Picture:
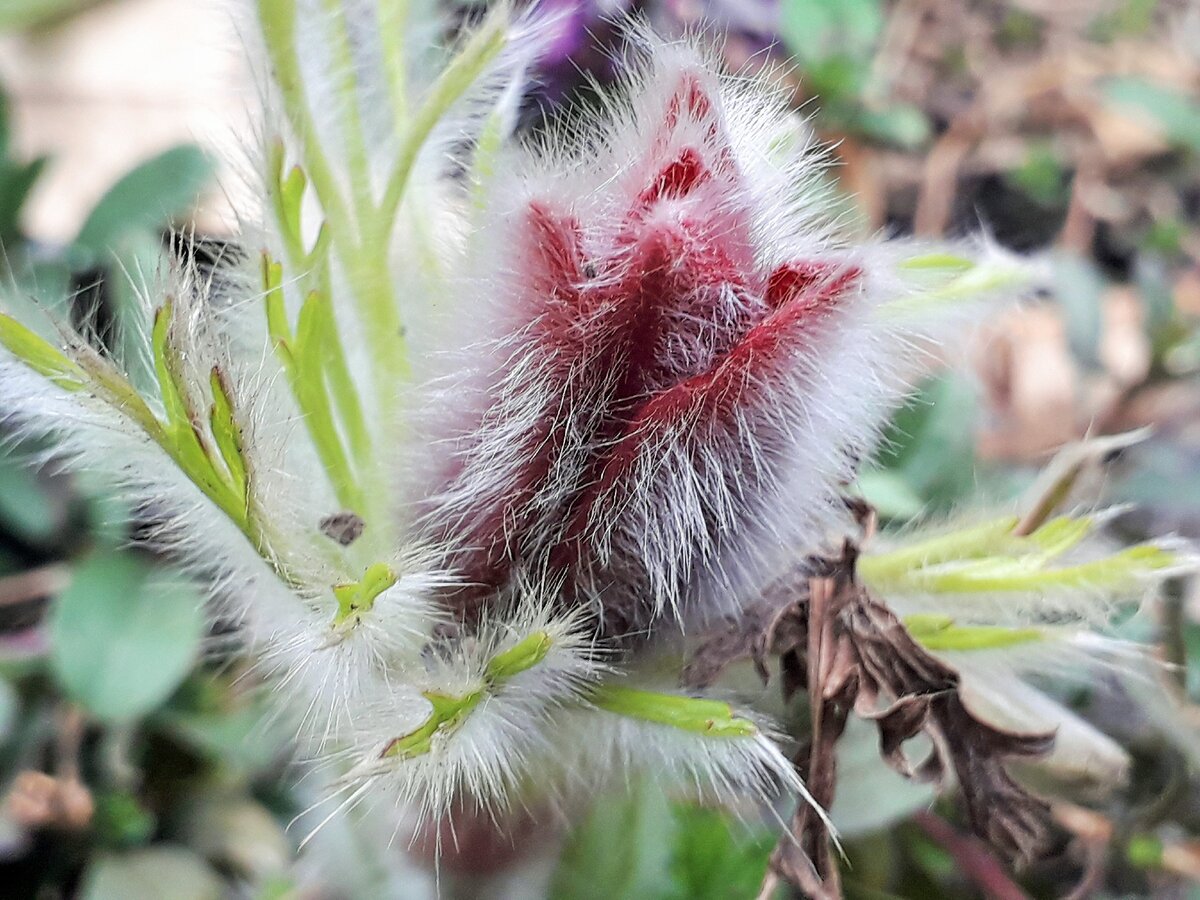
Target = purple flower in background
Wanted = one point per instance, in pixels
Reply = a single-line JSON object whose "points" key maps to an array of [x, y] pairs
{"points": [[584, 48], [588, 43]]}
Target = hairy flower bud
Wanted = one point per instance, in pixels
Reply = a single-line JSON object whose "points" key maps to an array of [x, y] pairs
{"points": [[680, 365]]}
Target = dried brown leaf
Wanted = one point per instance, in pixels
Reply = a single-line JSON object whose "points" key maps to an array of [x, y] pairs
{"points": [[851, 653]]}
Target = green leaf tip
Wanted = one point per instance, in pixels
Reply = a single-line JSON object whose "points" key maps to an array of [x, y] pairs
{"points": [[211, 458], [216, 466], [448, 712], [317, 372], [170, 381], [713, 718], [40, 355], [226, 433], [524, 656], [881, 569], [936, 279], [356, 598], [993, 557], [940, 634], [277, 320], [937, 262]]}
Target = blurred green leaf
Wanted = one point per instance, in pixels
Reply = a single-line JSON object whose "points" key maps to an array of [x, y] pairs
{"points": [[1165, 236], [1125, 19], [10, 562], [138, 256], [931, 859], [162, 872], [10, 705], [816, 29], [146, 198], [120, 820], [37, 286], [871, 795], [1019, 28], [16, 181], [279, 887], [712, 860], [1160, 322], [5, 126], [1079, 287], [1177, 114], [1145, 851], [123, 636], [901, 124], [17, 14], [1191, 643], [890, 494], [1165, 476], [1041, 177], [25, 509], [836, 82], [623, 849], [930, 446], [241, 738]]}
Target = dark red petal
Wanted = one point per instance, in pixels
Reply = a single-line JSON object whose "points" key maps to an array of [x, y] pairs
{"points": [[669, 274], [678, 179], [550, 248], [688, 98], [707, 406], [690, 102], [489, 531], [811, 283]]}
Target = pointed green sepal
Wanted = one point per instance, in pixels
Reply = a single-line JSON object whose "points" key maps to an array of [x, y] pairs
{"points": [[277, 320], [1061, 534], [448, 711], [291, 197], [181, 434], [169, 385], [226, 433], [940, 279], [938, 263], [882, 569], [319, 253], [1007, 574]]}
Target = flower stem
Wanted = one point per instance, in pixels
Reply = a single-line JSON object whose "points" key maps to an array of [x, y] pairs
{"points": [[462, 72], [352, 125], [393, 19], [359, 246]]}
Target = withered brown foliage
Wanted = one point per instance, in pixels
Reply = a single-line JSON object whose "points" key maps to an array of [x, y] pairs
{"points": [[851, 654]]}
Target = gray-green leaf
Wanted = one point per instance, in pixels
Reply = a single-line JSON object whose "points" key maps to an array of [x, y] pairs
{"points": [[122, 637], [148, 197], [157, 873], [622, 850], [1177, 114]]}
